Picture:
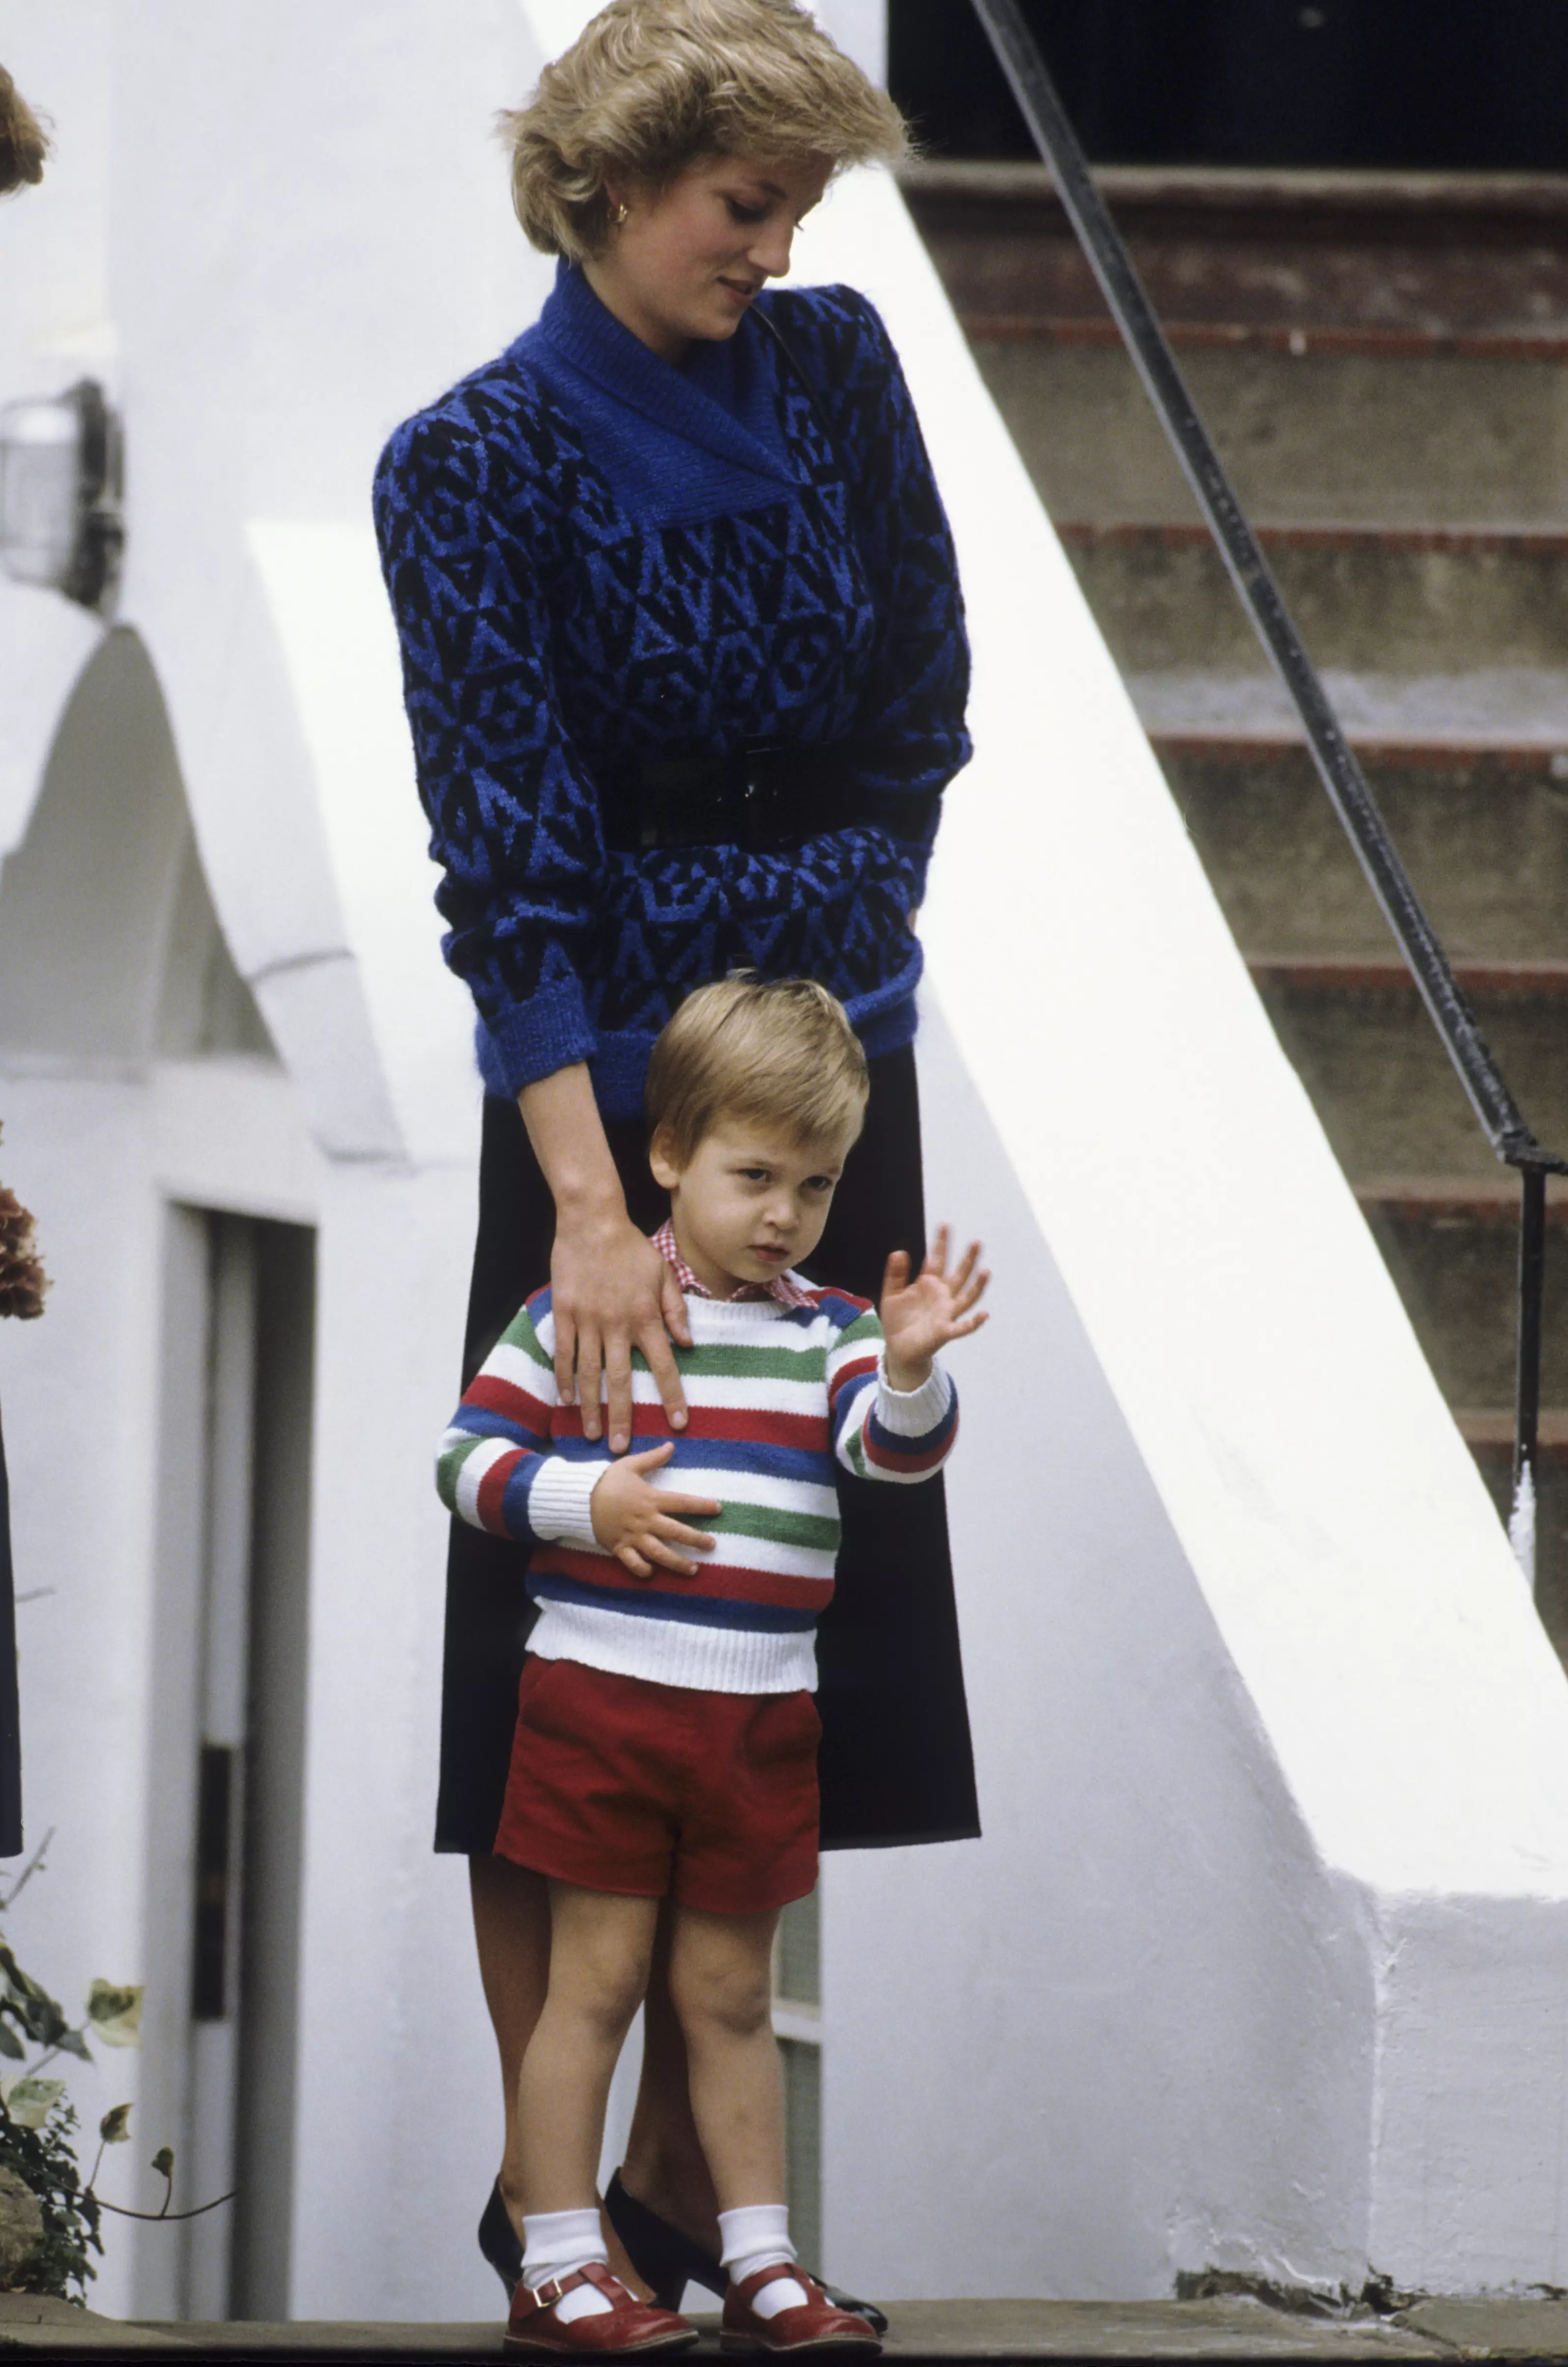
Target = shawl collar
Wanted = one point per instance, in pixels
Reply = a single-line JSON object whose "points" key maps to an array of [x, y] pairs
{"points": [[588, 336]]}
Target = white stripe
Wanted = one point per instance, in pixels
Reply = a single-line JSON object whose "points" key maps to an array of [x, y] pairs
{"points": [[484, 1456], [505, 1363], [676, 1651], [737, 1554]]}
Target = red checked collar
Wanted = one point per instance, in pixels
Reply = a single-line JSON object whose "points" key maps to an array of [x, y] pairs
{"points": [[786, 1290]]}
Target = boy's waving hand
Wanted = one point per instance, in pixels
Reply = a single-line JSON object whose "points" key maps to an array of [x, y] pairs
{"points": [[922, 1314]]}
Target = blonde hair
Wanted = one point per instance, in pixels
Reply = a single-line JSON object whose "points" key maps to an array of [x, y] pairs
{"points": [[651, 86], [780, 1050], [23, 146]]}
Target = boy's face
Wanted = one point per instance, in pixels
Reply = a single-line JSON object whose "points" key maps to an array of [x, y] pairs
{"points": [[749, 1202]]}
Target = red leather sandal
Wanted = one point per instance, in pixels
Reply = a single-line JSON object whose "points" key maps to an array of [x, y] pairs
{"points": [[534, 2331], [813, 2325]]}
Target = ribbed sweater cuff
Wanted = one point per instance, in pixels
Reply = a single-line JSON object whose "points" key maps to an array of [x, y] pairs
{"points": [[912, 1413], [559, 1495], [532, 1039]]}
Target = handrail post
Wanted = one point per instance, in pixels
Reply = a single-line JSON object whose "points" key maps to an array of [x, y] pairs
{"points": [[1526, 1397]]}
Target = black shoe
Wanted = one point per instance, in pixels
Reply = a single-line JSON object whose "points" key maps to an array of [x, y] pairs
{"points": [[500, 2242], [669, 2260]]}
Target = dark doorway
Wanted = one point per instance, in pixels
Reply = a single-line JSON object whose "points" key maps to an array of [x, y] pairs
{"points": [[1431, 85]]}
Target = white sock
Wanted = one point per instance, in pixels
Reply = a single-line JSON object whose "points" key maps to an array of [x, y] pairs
{"points": [[754, 2238], [556, 2242]]}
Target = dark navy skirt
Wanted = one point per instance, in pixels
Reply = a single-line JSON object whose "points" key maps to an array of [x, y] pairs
{"points": [[895, 1763]]}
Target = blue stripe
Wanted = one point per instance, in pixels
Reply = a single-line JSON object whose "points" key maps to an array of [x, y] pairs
{"points": [[799, 1463], [847, 1399], [696, 1609], [481, 1421], [803, 1463], [926, 1442], [514, 1502]]}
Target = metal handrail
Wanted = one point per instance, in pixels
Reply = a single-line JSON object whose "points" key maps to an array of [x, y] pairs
{"points": [[1342, 777]]}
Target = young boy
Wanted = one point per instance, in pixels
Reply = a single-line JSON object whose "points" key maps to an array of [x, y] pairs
{"points": [[666, 1736]]}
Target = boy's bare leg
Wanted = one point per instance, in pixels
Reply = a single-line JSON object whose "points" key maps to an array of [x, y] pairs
{"points": [[600, 1945], [664, 2166], [511, 1927], [721, 1983]]}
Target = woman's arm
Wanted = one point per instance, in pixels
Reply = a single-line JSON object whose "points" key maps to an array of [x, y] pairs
{"points": [[462, 514], [610, 1290]]}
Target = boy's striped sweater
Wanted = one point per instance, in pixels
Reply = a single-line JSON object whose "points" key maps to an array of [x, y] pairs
{"points": [[774, 1394]]}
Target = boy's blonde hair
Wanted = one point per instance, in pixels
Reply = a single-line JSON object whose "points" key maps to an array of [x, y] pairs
{"points": [[650, 86], [780, 1050]]}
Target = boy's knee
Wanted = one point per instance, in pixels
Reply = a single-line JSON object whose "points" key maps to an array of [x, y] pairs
{"points": [[730, 1994]]}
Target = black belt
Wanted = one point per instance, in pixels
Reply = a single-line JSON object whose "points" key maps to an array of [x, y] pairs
{"points": [[767, 800]]}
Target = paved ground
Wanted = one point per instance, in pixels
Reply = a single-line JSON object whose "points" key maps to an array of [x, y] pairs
{"points": [[1227, 2330]]}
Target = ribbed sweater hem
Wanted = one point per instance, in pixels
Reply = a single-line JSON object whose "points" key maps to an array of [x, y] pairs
{"points": [[674, 1652]]}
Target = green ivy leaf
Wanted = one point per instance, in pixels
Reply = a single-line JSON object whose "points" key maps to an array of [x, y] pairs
{"points": [[29, 2102], [116, 2014], [70, 2042], [163, 2162], [115, 2127], [10, 2043]]}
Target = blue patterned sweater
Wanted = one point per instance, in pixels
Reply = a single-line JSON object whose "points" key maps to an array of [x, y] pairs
{"points": [[597, 558]]}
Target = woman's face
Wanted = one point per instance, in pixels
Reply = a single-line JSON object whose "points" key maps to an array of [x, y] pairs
{"points": [[687, 259]]}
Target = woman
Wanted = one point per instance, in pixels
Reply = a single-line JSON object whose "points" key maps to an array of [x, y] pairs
{"points": [[685, 667]]}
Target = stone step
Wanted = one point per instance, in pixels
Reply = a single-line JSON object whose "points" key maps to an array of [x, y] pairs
{"points": [[1494, 708], [1454, 1256], [1370, 262], [1392, 600], [1483, 831], [1318, 436], [1379, 1077]]}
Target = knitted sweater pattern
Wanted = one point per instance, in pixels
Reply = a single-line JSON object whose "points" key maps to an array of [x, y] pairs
{"points": [[776, 1396], [597, 560]]}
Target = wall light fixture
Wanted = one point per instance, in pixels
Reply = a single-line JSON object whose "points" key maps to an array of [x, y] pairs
{"points": [[60, 487]]}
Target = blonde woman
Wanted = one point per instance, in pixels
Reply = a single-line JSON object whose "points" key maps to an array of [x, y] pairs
{"points": [[686, 671]]}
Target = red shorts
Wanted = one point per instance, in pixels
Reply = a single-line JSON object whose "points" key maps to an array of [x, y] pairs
{"points": [[663, 1790]]}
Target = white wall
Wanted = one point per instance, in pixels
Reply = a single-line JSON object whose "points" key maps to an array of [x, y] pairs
{"points": [[1256, 1964]]}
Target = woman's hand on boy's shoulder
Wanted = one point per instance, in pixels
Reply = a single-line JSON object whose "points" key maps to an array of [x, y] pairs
{"points": [[923, 1312], [638, 1524]]}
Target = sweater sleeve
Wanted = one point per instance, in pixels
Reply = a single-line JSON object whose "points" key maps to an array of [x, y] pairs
{"points": [[514, 817], [495, 1468], [910, 737], [880, 1432]]}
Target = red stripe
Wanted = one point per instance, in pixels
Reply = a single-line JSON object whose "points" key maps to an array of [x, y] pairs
{"points": [[742, 1424], [848, 1373], [890, 1460], [493, 1394], [726, 1582], [750, 1426], [492, 1488]]}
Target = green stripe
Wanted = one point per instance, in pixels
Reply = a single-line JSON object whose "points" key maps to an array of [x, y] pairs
{"points": [[855, 1447], [866, 1330], [731, 1363], [447, 1466], [816, 1531], [520, 1333]]}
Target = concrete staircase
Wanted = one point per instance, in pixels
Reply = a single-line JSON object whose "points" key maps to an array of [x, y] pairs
{"points": [[1383, 362]]}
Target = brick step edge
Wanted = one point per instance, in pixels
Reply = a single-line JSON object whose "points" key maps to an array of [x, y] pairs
{"points": [[1484, 539], [1247, 744], [1299, 342], [1388, 974], [1489, 1430], [1426, 1199]]}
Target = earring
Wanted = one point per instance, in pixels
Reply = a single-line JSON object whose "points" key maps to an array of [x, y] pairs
{"points": [[621, 214]]}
